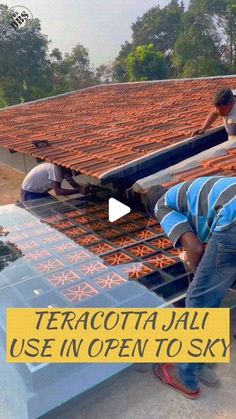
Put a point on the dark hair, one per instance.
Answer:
(223, 96)
(66, 171)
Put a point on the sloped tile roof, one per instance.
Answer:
(223, 165)
(98, 129)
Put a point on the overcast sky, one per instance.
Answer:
(100, 25)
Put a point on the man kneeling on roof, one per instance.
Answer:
(46, 177)
(193, 213)
(224, 103)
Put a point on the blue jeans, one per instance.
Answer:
(214, 276)
(29, 196)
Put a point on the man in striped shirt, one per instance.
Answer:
(193, 213)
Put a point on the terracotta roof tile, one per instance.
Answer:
(98, 129)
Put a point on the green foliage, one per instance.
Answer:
(24, 67)
(104, 74)
(146, 63)
(29, 72)
(159, 27)
(196, 51)
(120, 73)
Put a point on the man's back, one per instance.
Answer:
(202, 205)
(40, 178)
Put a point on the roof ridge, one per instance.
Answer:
(119, 84)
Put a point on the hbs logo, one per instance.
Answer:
(16, 17)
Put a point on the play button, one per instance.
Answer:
(116, 209)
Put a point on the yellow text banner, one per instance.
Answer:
(118, 335)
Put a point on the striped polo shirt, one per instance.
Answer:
(202, 205)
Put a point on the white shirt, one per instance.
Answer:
(230, 124)
(39, 179)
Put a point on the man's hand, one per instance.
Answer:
(84, 189)
(194, 249)
(197, 132)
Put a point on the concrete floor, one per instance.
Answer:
(138, 395)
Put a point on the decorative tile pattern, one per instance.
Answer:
(91, 268)
(157, 228)
(109, 280)
(123, 241)
(96, 226)
(73, 214)
(18, 236)
(29, 245)
(160, 261)
(62, 225)
(49, 265)
(101, 248)
(53, 219)
(59, 279)
(51, 238)
(140, 250)
(75, 232)
(79, 292)
(102, 215)
(87, 239)
(176, 252)
(117, 258)
(40, 231)
(37, 255)
(75, 257)
(130, 227)
(63, 247)
(135, 270)
(161, 243)
(109, 233)
(84, 219)
(150, 222)
(132, 216)
(144, 234)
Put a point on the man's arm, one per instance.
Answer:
(211, 117)
(56, 186)
(194, 249)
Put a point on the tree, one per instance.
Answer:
(146, 63)
(222, 14)
(77, 70)
(197, 49)
(119, 66)
(160, 27)
(104, 74)
(24, 66)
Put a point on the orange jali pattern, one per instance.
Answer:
(61, 248)
(136, 270)
(110, 280)
(123, 241)
(87, 239)
(100, 248)
(50, 265)
(161, 243)
(77, 257)
(63, 278)
(140, 250)
(144, 234)
(92, 268)
(79, 292)
(160, 261)
(37, 255)
(117, 258)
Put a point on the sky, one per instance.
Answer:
(101, 26)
